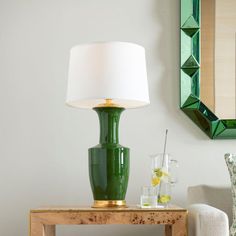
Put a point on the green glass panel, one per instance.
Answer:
(190, 31)
(193, 105)
(190, 23)
(186, 47)
(195, 86)
(196, 10)
(207, 112)
(185, 87)
(195, 47)
(219, 129)
(191, 62)
(191, 102)
(227, 134)
(202, 117)
(230, 129)
(186, 10)
(199, 119)
(230, 124)
(190, 87)
(190, 71)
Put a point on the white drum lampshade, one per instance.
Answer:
(111, 70)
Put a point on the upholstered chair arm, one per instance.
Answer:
(204, 220)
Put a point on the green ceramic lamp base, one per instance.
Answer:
(109, 161)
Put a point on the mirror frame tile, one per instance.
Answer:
(190, 69)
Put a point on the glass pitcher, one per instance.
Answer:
(164, 173)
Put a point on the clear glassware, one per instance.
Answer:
(173, 169)
(164, 174)
(164, 194)
(148, 197)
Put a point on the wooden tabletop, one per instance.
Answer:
(43, 220)
(129, 208)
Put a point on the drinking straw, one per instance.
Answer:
(162, 165)
(164, 152)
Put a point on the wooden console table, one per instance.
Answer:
(43, 221)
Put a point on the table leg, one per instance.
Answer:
(179, 228)
(168, 230)
(37, 228)
(49, 230)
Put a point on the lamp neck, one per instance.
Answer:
(109, 124)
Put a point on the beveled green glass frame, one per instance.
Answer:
(190, 102)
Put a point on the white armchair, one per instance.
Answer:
(210, 210)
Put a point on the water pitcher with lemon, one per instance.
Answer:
(163, 176)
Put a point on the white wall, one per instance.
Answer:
(44, 143)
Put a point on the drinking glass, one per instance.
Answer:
(148, 197)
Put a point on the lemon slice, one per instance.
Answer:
(155, 181)
(160, 173)
(146, 204)
(164, 198)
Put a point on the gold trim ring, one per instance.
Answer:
(109, 203)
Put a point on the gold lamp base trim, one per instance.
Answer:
(109, 203)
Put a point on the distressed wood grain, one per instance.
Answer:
(44, 220)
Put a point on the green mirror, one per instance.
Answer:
(208, 65)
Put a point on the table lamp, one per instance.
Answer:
(108, 78)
